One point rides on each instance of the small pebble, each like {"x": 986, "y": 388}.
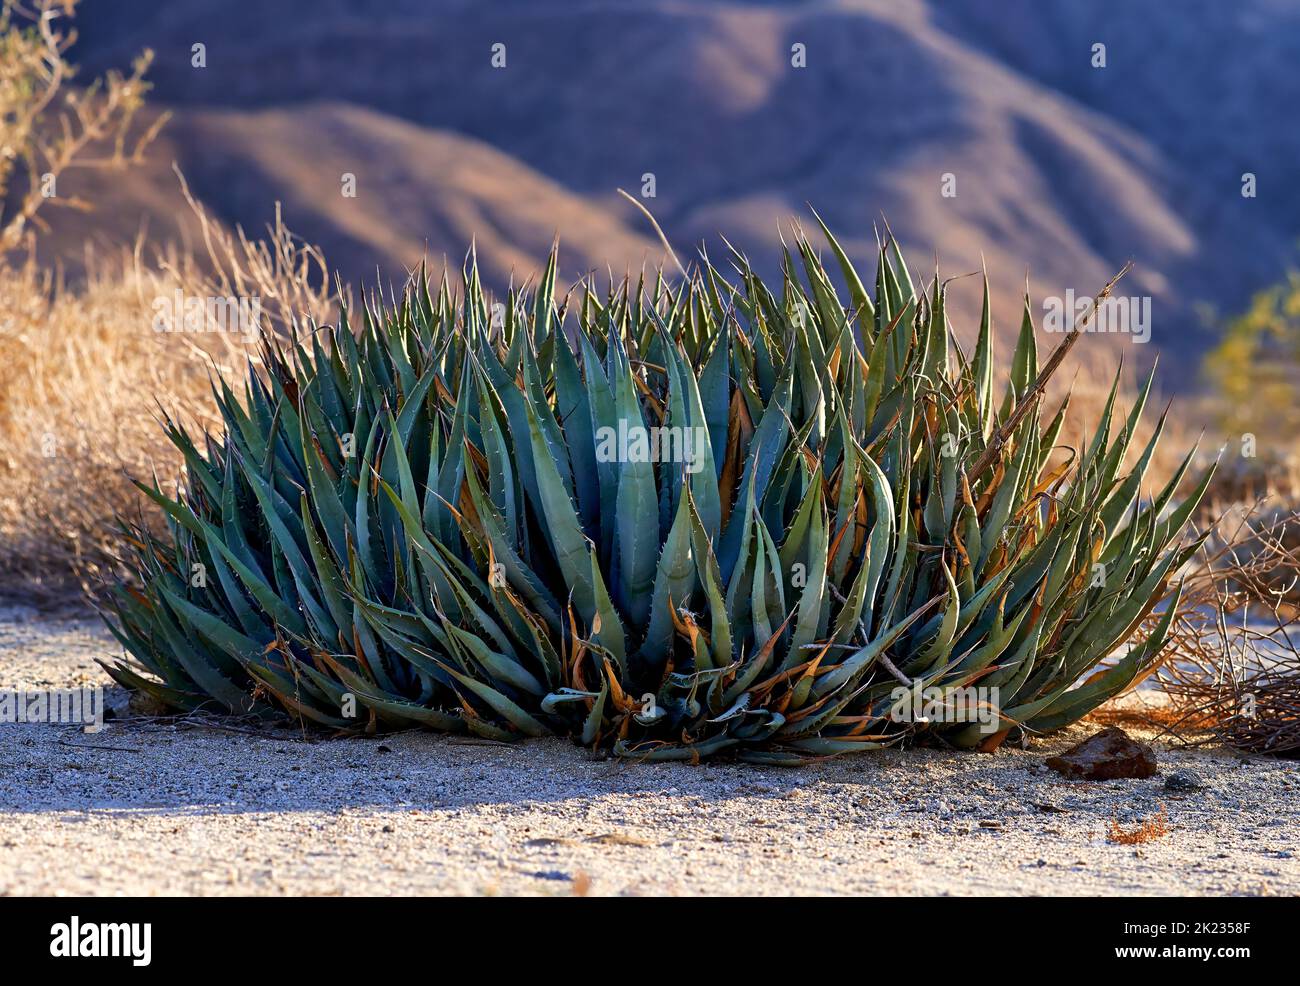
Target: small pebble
{"x": 1183, "y": 781}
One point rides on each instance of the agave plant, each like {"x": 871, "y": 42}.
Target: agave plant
{"x": 429, "y": 515}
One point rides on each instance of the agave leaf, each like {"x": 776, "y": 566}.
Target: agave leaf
{"x": 852, "y": 667}
{"x": 636, "y": 501}
{"x": 508, "y": 710}
{"x": 706, "y": 567}
{"x": 675, "y": 582}
{"x": 857, "y": 291}
{"x": 572, "y": 550}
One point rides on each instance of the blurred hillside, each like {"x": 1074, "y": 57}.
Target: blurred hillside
{"x": 1059, "y": 166}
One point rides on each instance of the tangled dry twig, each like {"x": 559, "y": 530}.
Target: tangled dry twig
{"x": 1234, "y": 674}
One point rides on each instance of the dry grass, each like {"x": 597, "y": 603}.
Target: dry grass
{"x": 84, "y": 374}
{"x": 1148, "y": 830}
{"x": 79, "y": 375}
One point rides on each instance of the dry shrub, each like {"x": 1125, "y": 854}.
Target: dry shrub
{"x": 1234, "y": 671}
{"x": 48, "y": 126}
{"x": 1148, "y": 830}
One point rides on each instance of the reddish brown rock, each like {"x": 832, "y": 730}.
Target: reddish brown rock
{"x": 1108, "y": 755}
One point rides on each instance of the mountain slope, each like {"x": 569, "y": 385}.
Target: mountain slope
{"x": 419, "y": 194}
{"x": 1064, "y": 168}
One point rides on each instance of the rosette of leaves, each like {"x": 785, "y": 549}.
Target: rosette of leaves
{"x": 413, "y": 518}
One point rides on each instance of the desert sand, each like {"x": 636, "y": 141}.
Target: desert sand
{"x": 171, "y": 807}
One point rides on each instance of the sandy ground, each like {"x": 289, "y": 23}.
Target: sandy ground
{"x": 155, "y": 807}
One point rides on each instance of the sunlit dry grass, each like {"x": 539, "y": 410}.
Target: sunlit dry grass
{"x": 79, "y": 377}
{"x": 85, "y": 373}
